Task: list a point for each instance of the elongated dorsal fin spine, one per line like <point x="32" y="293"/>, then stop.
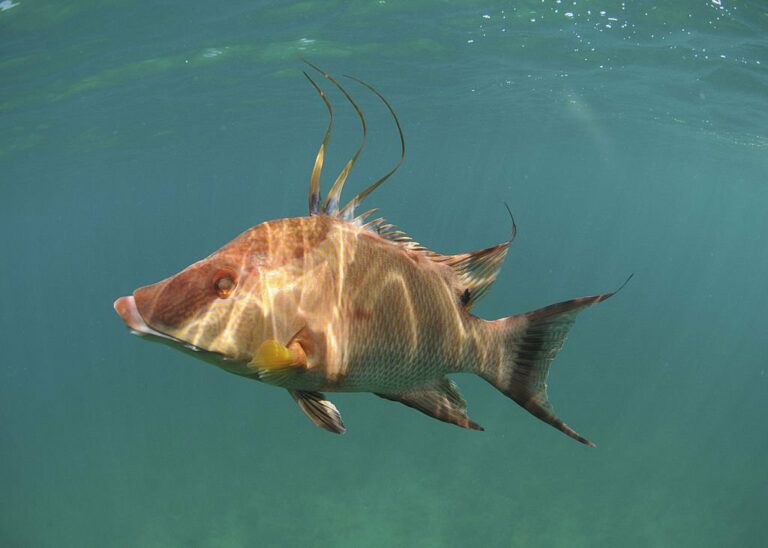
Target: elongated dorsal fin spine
<point x="361" y="219"/>
<point x="348" y="210"/>
<point x="314" y="179"/>
<point x="331" y="204"/>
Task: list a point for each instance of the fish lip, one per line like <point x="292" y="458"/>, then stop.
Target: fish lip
<point x="128" y="311"/>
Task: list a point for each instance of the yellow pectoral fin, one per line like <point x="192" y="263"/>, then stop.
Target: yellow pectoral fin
<point x="273" y="355"/>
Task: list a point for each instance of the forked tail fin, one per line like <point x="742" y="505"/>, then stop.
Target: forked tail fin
<point x="531" y="341"/>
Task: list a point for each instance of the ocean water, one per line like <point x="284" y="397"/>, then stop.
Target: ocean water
<point x="626" y="137"/>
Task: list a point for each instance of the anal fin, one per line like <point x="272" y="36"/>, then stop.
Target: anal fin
<point x="439" y="399"/>
<point x="319" y="410"/>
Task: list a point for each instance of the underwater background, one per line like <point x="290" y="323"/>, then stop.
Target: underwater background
<point x="626" y="137"/>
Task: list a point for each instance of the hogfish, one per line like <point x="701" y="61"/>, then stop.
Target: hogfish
<point x="343" y="302"/>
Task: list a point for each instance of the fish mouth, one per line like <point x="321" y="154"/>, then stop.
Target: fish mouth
<point x="128" y="311"/>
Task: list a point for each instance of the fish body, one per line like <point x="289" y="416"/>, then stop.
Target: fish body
<point x="334" y="302"/>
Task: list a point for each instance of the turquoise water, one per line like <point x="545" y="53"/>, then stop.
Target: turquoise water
<point x="627" y="137"/>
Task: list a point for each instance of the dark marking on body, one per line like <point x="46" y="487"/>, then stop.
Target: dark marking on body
<point x="465" y="297"/>
<point x="361" y="314"/>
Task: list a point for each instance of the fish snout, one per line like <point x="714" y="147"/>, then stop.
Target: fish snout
<point x="129" y="313"/>
<point x="161" y="307"/>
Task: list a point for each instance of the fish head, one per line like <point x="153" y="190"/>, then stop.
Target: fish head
<point x="213" y="308"/>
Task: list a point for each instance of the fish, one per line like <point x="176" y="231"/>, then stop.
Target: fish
<point x="341" y="301"/>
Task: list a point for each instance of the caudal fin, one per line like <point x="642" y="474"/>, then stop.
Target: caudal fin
<point x="531" y="341"/>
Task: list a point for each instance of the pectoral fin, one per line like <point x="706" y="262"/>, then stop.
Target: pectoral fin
<point x="319" y="410"/>
<point x="272" y="355"/>
<point x="440" y="399"/>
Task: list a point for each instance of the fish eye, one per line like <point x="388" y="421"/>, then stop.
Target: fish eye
<point x="224" y="281"/>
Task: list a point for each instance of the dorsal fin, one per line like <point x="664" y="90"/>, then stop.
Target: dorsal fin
<point x="331" y="205"/>
<point x="390" y="232"/>
<point x="314" y="180"/>
<point x="348" y="211"/>
<point x="476" y="270"/>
